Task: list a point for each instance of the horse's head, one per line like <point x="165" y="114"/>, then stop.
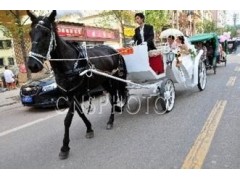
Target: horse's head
<point x="43" y="40"/>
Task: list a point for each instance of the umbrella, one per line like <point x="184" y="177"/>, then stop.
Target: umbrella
<point x="168" y="32"/>
<point x="227" y="35"/>
<point x="223" y="38"/>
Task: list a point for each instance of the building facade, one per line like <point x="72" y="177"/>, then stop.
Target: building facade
<point x="207" y="15"/>
<point x="90" y="34"/>
<point x="219" y="17"/>
<point x="185" y="20"/>
<point x="7" y="55"/>
<point x="97" y="19"/>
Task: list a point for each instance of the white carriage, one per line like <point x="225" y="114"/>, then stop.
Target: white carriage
<point x="142" y="76"/>
<point x="148" y="72"/>
<point x="187" y="69"/>
<point x="157" y="71"/>
<point x="191" y="72"/>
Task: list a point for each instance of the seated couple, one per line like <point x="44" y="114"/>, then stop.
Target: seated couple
<point x="178" y="44"/>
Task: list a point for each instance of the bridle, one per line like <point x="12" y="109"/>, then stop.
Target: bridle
<point x="52" y="45"/>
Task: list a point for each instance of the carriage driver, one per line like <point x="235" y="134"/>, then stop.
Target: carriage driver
<point x="144" y="33"/>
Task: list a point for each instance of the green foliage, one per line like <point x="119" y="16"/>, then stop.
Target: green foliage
<point x="232" y="29"/>
<point x="199" y="27"/>
<point x="120" y="17"/>
<point x="13" y="21"/>
<point x="5" y="31"/>
<point x="209" y="26"/>
<point x="157" y="18"/>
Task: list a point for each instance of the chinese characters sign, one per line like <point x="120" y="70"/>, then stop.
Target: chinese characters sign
<point x="70" y="31"/>
<point x="100" y="33"/>
<point x="86" y="32"/>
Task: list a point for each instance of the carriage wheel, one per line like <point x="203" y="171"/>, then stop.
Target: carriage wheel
<point x="167" y="95"/>
<point x="202" y="76"/>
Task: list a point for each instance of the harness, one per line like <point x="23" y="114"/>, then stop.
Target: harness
<point x="82" y="56"/>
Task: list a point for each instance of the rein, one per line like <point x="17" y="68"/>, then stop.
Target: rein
<point x="53" y="45"/>
<point x="79" y="59"/>
<point x="78" y="71"/>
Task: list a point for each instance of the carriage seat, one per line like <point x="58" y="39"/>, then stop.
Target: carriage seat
<point x="141" y="67"/>
<point x="156" y="61"/>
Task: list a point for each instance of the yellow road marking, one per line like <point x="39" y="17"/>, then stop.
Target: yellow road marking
<point x="231" y="81"/>
<point x="196" y="156"/>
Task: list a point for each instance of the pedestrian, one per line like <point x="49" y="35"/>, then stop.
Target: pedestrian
<point x="143" y="33"/>
<point x="9" y="78"/>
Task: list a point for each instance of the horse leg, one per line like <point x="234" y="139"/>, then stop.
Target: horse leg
<point x="113" y="101"/>
<point x="90" y="132"/>
<point x="67" y="123"/>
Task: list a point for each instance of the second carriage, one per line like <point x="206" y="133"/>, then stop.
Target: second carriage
<point x="210" y="41"/>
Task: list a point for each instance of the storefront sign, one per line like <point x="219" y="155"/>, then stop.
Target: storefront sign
<point x="70" y="31"/>
<point x="86" y="32"/>
<point x="100" y="33"/>
<point x="129" y="32"/>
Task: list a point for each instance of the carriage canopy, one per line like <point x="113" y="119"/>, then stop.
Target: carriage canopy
<point x="203" y="37"/>
<point x="206" y="37"/>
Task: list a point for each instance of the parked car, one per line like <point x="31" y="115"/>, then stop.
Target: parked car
<point x="45" y="93"/>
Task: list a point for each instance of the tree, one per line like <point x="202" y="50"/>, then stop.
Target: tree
<point x="199" y="27"/>
<point x="15" y="22"/>
<point x="157" y="18"/>
<point x="122" y="17"/>
<point x="231" y="29"/>
<point x="183" y="21"/>
<point x="209" y="26"/>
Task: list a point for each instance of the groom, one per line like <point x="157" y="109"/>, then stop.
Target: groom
<point x="144" y="33"/>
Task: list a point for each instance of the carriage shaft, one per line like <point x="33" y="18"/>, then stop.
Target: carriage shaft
<point x="112" y="77"/>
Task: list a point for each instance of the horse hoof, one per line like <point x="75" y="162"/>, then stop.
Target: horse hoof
<point x="89" y="135"/>
<point x="109" y="126"/>
<point x="63" y="155"/>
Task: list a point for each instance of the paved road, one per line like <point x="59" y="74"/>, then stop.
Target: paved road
<point x="202" y="131"/>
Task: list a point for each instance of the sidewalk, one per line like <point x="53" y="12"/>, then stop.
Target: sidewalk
<point x="9" y="97"/>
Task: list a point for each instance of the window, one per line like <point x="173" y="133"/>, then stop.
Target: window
<point x="1" y="44"/>
<point x="1" y="62"/>
<point x="11" y="61"/>
<point x="7" y="44"/>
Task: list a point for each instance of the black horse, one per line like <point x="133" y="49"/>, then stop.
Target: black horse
<point x="46" y="44"/>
